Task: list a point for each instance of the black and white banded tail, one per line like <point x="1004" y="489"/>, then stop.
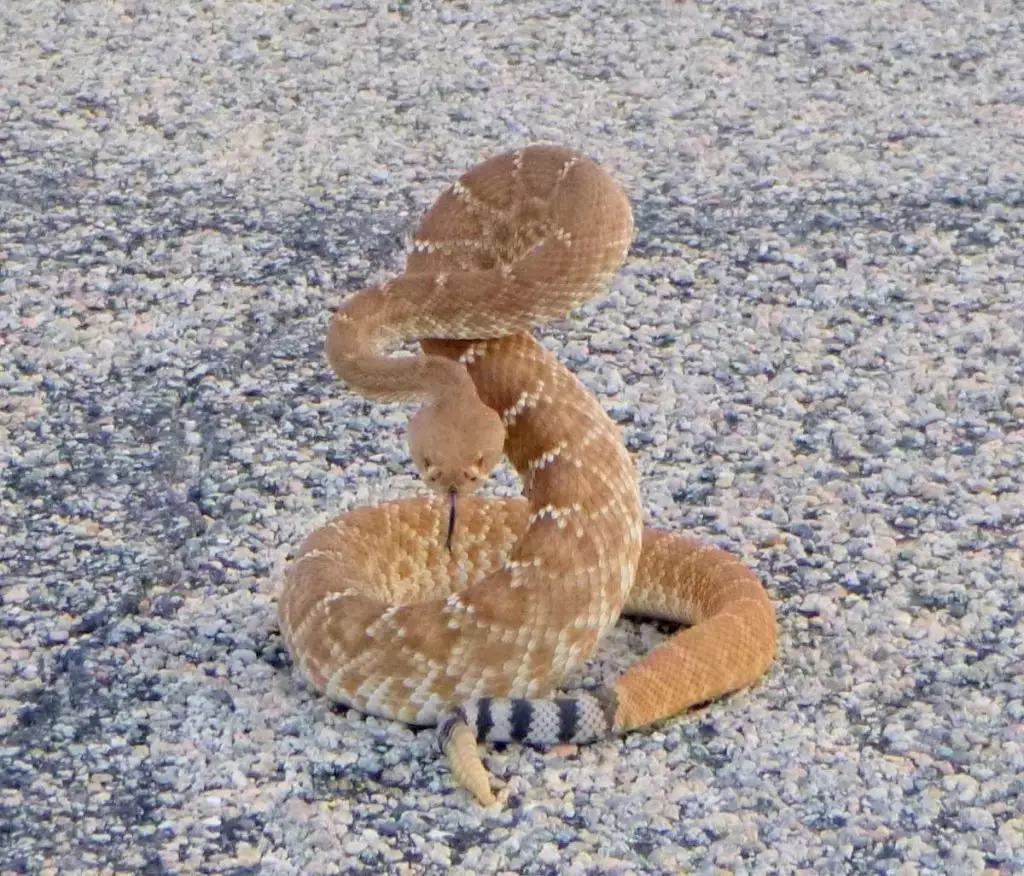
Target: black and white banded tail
<point x="579" y="718"/>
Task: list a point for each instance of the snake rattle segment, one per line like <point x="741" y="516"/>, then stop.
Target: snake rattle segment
<point x="468" y="612"/>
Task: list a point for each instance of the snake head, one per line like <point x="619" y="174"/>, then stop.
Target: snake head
<point x="455" y="445"/>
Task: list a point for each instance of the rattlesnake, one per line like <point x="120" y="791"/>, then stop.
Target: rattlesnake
<point x="385" y="611"/>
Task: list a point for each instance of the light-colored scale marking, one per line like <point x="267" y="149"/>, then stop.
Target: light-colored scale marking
<point x="526" y="401"/>
<point x="560" y="515"/>
<point x="463" y="253"/>
<point x="472" y="203"/>
<point x="375" y="701"/>
<point x="517" y="568"/>
<point x="562" y="236"/>
<point x="421" y="694"/>
<point x="548" y="457"/>
<point x="457" y="608"/>
<point x="473" y="352"/>
<point x="532" y="563"/>
<point x="386" y="617"/>
<point x="369" y="687"/>
<point x="442" y="247"/>
<point x="564" y="172"/>
<point x="319" y="608"/>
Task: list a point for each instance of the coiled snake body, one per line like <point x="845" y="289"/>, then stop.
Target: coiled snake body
<point x="388" y="611"/>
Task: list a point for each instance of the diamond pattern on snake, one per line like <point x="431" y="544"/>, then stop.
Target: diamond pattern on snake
<point x="468" y="612"/>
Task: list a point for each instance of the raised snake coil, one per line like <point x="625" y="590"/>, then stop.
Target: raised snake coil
<point x="376" y="612"/>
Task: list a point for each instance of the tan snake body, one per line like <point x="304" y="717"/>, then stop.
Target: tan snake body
<point x="380" y="615"/>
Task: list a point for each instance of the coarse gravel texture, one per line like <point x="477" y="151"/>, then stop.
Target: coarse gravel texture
<point x="815" y="353"/>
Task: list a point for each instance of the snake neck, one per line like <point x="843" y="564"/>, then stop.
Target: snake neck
<point x="365" y="327"/>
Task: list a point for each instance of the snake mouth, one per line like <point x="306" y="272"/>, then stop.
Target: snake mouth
<point x="451" y="519"/>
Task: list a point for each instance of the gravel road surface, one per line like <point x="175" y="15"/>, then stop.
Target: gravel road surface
<point x="815" y="352"/>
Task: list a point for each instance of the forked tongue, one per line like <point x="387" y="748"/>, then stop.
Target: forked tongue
<point x="451" y="520"/>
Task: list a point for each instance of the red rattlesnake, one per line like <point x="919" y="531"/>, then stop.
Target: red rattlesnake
<point x="387" y="612"/>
